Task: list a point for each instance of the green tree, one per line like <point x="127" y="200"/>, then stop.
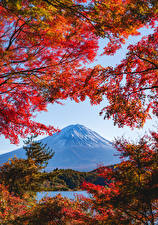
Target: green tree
<point x="23" y="176"/>
<point x="38" y="151"/>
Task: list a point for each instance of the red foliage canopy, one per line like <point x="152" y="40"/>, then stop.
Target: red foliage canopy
<point x="132" y="86"/>
<point x="44" y="46"/>
<point x="39" y="66"/>
<point x="130" y="193"/>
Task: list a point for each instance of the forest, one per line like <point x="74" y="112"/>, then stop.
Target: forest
<point x="69" y="180"/>
<point x="46" y="48"/>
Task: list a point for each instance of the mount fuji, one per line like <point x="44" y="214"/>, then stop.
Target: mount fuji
<point x="76" y="147"/>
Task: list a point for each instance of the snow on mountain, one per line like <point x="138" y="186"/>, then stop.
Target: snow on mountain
<point x="75" y="147"/>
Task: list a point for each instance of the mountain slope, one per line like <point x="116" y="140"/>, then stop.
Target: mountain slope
<point x="75" y="147"/>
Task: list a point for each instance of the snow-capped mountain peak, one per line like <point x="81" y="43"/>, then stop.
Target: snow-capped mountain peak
<point x="81" y="135"/>
<point x="76" y="147"/>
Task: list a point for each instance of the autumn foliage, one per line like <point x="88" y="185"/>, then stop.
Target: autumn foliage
<point x="45" y="49"/>
<point x="56" y="211"/>
<point x="45" y="45"/>
<point x="131" y="187"/>
<point x="128" y="197"/>
<point x="11" y="207"/>
<point x="132" y="86"/>
<point x="40" y="60"/>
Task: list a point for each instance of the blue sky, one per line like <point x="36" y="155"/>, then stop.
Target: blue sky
<point x="85" y="114"/>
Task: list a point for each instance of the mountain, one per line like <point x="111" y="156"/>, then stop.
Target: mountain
<point x="76" y="147"/>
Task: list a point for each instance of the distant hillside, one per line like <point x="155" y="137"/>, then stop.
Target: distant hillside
<point x="76" y="147"/>
<point x="67" y="179"/>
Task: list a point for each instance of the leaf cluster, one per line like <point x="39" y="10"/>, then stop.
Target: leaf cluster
<point x="130" y="195"/>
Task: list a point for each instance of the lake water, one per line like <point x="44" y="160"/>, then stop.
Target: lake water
<point x="68" y="194"/>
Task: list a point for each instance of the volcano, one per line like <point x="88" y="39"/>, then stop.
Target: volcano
<point x="76" y="147"/>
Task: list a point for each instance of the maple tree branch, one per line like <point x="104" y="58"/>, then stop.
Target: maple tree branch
<point x="76" y="10"/>
<point x="19" y="18"/>
<point x="16" y="32"/>
<point x="134" y="72"/>
<point x="147" y="88"/>
<point x="147" y="61"/>
<point x="4" y="34"/>
<point x="15" y="62"/>
<point x="4" y="81"/>
<point x="142" y="89"/>
<point x="135" y="216"/>
<point x="8" y="91"/>
<point x="64" y="60"/>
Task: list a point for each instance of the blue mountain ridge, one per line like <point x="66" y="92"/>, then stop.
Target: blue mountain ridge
<point x="76" y="147"/>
